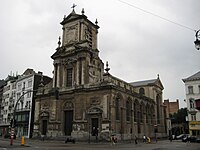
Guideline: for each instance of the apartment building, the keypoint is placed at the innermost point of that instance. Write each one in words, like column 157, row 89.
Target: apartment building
column 7, row 103
column 192, row 88
column 26, row 89
column 18, row 102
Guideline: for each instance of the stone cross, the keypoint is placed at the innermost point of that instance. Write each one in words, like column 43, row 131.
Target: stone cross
column 73, row 6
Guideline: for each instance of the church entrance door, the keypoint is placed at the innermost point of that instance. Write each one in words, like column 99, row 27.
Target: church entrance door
column 95, row 126
column 68, row 122
column 44, row 127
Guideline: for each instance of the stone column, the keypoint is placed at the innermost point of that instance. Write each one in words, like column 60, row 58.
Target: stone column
column 77, row 72
column 144, row 124
column 58, row 76
column 83, row 72
column 64, row 77
column 55, row 76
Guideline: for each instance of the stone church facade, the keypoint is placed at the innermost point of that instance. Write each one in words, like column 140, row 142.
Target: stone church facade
column 85, row 101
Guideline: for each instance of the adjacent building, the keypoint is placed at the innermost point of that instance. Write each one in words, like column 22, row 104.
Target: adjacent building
column 171, row 106
column 7, row 104
column 18, row 102
column 26, row 88
column 2, row 84
column 192, row 88
column 85, row 101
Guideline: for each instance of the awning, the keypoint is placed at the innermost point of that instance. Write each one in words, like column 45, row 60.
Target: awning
column 197, row 101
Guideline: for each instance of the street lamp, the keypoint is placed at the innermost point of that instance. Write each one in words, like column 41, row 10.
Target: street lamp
column 197, row 42
column 13, row 121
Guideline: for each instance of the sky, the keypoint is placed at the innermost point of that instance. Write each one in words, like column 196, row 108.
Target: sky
column 139, row 38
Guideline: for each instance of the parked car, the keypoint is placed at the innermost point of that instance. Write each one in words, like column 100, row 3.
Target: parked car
column 185, row 139
column 193, row 138
column 190, row 139
column 181, row 136
column 198, row 140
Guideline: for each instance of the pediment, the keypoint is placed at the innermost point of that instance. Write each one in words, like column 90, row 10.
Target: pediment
column 159, row 84
column 44, row 114
column 72, row 16
column 95, row 110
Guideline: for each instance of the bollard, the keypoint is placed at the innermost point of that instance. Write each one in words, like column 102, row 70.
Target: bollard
column 22, row 141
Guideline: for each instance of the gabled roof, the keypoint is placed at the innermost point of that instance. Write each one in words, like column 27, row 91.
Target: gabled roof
column 73, row 16
column 143, row 83
column 194, row 77
column 152, row 82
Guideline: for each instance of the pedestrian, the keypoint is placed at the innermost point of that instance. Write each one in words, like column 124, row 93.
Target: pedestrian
column 148, row 140
column 42, row 137
column 188, row 140
column 136, row 139
column 170, row 138
column 144, row 139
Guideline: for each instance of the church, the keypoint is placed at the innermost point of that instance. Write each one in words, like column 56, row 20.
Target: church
column 85, row 101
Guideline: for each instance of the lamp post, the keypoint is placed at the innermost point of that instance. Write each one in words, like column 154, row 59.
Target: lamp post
column 197, row 41
column 13, row 121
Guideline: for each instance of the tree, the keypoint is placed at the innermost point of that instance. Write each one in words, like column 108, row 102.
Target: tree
column 179, row 119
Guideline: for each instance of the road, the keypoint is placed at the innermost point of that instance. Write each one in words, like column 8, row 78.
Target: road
column 60, row 145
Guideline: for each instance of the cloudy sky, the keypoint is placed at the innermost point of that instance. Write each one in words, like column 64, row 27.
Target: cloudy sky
column 139, row 38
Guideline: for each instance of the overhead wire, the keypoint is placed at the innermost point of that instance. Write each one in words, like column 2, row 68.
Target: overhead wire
column 158, row 16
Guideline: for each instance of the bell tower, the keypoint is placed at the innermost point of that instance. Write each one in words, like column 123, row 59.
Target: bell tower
column 76, row 60
column 77, row 29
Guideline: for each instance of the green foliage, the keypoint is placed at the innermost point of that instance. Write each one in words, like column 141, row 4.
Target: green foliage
column 179, row 117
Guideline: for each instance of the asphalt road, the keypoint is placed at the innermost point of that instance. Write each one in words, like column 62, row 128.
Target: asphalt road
column 60, row 145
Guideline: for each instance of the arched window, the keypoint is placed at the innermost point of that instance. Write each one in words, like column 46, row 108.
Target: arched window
column 152, row 115
column 141, row 113
column 117, row 108
column 128, row 110
column 158, row 108
column 141, row 91
column 147, row 113
column 135, row 111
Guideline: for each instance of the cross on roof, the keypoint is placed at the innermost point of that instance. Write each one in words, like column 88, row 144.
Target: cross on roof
column 73, row 6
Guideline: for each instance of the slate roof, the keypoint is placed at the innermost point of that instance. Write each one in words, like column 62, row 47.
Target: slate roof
column 143, row 83
column 195, row 76
column 2, row 83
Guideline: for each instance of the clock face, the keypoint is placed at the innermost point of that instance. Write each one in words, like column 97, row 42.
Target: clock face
column 71, row 34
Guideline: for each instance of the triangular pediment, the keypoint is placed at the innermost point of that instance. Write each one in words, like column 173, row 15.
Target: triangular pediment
column 159, row 84
column 153, row 82
column 72, row 16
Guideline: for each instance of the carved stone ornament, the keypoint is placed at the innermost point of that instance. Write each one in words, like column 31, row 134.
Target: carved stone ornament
column 69, row 61
column 95, row 110
column 44, row 114
column 68, row 106
column 71, row 34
